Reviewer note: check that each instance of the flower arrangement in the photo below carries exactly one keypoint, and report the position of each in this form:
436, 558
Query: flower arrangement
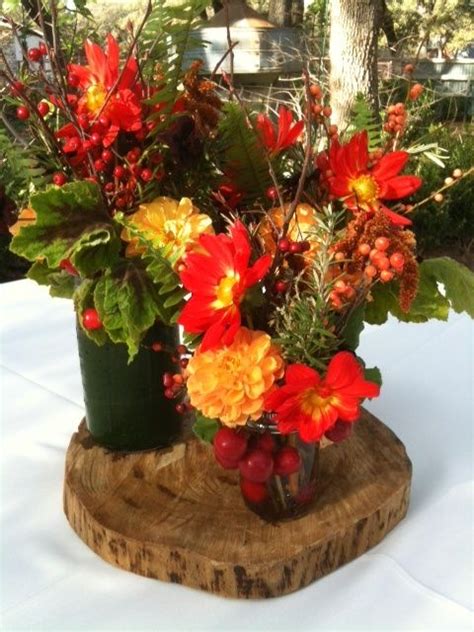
270, 239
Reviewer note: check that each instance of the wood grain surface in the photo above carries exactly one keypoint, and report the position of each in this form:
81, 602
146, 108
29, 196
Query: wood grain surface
175, 515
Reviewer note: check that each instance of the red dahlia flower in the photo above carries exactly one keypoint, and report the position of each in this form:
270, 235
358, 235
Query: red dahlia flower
364, 187
311, 405
98, 78
287, 132
218, 279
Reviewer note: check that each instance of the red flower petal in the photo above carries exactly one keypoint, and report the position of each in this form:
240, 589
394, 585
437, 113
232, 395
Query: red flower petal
258, 270
390, 165
297, 373
402, 186
395, 218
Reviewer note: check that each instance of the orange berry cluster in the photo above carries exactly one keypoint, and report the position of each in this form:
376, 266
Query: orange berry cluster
319, 110
379, 262
396, 119
343, 292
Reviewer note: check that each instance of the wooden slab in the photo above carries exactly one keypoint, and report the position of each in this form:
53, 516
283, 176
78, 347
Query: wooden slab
175, 515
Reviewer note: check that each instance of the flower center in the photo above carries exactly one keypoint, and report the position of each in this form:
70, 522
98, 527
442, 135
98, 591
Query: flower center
225, 291
313, 399
96, 95
364, 188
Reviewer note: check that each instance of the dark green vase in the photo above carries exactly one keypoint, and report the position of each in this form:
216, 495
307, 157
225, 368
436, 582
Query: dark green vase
125, 406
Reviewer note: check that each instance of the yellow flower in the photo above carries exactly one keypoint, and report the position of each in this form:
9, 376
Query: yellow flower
230, 383
167, 223
301, 228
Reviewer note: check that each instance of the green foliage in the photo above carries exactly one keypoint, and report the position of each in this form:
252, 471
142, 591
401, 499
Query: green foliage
60, 283
373, 375
353, 327
451, 223
444, 284
241, 153
128, 303
21, 173
363, 119
205, 428
167, 36
71, 223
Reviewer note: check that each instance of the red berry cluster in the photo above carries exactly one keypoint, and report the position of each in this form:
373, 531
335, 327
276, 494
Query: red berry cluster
36, 54
379, 261
290, 250
257, 459
396, 119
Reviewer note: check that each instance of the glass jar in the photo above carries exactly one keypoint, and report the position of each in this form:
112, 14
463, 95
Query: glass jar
290, 490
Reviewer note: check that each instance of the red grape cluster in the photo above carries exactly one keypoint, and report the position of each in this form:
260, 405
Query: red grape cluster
258, 458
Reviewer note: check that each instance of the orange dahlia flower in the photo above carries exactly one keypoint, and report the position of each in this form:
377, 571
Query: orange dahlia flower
218, 277
171, 226
311, 405
230, 383
364, 187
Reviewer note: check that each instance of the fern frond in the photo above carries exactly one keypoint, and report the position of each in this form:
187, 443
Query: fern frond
363, 119
241, 154
167, 36
21, 172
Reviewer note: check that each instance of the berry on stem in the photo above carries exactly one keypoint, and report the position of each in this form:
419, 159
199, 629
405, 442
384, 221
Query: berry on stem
59, 178
34, 54
284, 245
43, 108
22, 113
382, 243
91, 320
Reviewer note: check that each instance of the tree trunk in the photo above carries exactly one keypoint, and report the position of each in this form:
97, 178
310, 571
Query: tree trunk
286, 12
353, 55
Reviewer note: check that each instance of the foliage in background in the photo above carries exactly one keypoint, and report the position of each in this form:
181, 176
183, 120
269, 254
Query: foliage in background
448, 224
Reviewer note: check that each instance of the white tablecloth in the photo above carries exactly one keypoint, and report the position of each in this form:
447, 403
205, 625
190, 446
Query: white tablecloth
419, 577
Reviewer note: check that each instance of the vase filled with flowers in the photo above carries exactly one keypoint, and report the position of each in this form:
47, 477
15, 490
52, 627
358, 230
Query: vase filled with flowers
118, 136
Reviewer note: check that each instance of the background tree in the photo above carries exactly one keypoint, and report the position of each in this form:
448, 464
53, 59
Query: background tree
286, 12
353, 55
445, 24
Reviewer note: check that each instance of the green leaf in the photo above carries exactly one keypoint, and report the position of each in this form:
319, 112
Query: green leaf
353, 328
373, 375
457, 279
205, 428
444, 284
243, 158
61, 283
128, 304
71, 223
